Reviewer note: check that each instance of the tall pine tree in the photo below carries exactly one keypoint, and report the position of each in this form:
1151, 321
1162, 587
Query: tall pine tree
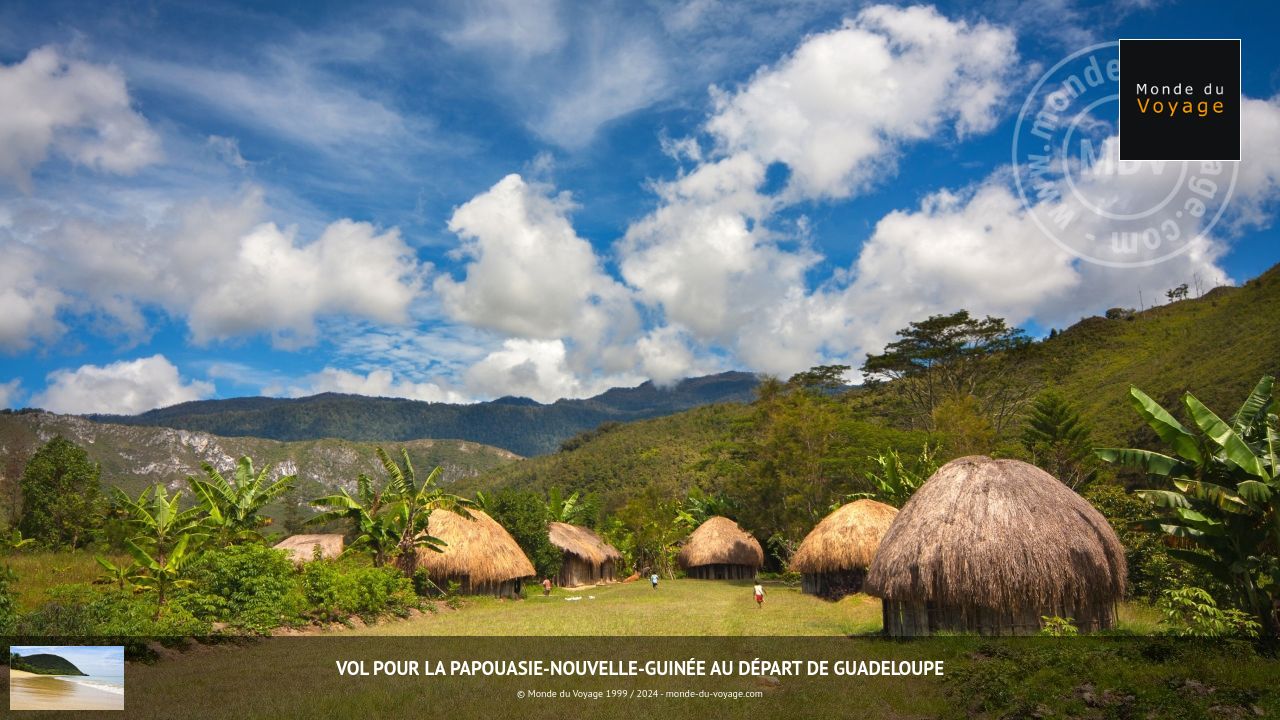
1059, 440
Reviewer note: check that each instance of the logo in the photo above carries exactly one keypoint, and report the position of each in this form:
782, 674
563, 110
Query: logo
1068, 172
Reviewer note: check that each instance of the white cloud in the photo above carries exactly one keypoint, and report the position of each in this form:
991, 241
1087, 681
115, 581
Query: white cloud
376, 383
525, 28
78, 109
10, 392
28, 309
120, 388
836, 110
535, 369
220, 266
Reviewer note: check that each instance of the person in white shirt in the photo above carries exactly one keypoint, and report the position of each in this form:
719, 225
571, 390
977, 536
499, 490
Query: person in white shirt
759, 590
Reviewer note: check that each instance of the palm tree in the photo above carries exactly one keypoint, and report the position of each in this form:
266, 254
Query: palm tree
162, 546
366, 512
234, 507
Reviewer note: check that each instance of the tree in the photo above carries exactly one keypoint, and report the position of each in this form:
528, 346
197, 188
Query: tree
524, 514
367, 516
234, 507
1059, 441
1223, 513
964, 428
820, 378
560, 508
1177, 293
61, 496
162, 543
949, 356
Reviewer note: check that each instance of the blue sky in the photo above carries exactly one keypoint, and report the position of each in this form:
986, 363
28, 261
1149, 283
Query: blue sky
457, 202
91, 659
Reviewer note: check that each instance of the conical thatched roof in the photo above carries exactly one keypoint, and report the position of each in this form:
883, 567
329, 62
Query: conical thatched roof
479, 548
845, 539
719, 541
301, 548
998, 534
582, 542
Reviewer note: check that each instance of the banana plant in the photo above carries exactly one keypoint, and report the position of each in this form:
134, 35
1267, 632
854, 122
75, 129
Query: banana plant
414, 504
367, 515
234, 507
162, 546
1223, 513
119, 575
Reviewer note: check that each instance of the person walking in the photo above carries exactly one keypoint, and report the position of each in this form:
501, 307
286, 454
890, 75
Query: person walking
546, 587
759, 591
653, 580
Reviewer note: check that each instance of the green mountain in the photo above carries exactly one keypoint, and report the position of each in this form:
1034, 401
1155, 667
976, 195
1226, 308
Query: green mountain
1216, 346
520, 425
44, 664
133, 457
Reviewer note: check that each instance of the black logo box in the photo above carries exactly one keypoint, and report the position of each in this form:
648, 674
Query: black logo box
1186, 68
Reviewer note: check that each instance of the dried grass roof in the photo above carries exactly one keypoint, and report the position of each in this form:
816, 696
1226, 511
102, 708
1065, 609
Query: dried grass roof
845, 539
999, 534
582, 542
719, 541
479, 548
301, 548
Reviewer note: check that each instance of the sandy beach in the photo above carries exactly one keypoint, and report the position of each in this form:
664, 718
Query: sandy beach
28, 691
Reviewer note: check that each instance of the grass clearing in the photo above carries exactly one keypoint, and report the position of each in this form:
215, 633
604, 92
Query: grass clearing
39, 571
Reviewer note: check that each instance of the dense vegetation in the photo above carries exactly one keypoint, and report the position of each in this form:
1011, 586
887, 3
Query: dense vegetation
519, 425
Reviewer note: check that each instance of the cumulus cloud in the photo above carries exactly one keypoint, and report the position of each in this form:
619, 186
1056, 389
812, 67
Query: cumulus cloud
222, 267
536, 369
376, 383
10, 392
120, 388
77, 109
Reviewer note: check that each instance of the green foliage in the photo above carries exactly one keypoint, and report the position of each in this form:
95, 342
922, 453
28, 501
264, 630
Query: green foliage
249, 587
953, 356
119, 575
61, 497
79, 610
895, 480
561, 508
1059, 441
233, 508
335, 589
7, 606
14, 541
1192, 612
525, 515
963, 426
165, 539
1223, 513
1152, 571
1054, 626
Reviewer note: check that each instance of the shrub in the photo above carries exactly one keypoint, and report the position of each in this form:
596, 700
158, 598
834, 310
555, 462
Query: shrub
6, 601
336, 589
1152, 572
1192, 612
1058, 627
250, 587
80, 610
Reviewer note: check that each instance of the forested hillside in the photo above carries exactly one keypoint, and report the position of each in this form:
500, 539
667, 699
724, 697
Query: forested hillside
520, 425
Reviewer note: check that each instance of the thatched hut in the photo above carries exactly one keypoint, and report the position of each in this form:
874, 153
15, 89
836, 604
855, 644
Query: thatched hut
587, 558
720, 550
991, 546
481, 555
835, 555
302, 548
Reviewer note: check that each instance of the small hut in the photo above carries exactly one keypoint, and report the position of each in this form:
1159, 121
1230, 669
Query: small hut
991, 546
835, 555
720, 550
587, 558
302, 548
480, 555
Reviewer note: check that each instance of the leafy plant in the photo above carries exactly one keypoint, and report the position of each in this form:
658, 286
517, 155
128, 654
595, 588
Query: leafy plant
234, 507
250, 587
1223, 513
1192, 612
120, 576
1054, 626
14, 541
162, 546
897, 480
61, 496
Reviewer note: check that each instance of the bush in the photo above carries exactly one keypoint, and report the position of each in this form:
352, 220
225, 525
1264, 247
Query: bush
1192, 612
250, 587
1152, 571
80, 610
6, 602
337, 589
1055, 626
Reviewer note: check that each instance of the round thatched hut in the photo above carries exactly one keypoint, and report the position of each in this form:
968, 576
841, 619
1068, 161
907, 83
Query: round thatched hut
587, 558
302, 548
720, 550
990, 546
481, 555
835, 555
